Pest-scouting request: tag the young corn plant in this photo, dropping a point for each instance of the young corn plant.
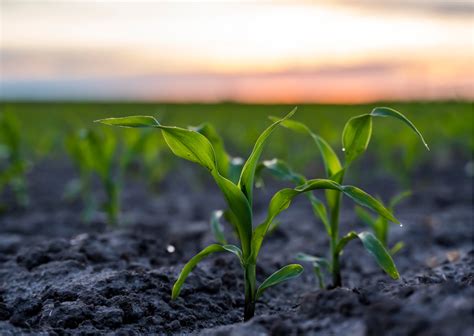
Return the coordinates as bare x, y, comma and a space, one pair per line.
13, 164
100, 154
355, 139
193, 146
78, 148
379, 225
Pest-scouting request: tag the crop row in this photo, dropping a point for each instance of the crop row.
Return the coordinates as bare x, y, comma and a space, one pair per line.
236, 180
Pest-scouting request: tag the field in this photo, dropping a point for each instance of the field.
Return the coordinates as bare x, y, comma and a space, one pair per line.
73, 261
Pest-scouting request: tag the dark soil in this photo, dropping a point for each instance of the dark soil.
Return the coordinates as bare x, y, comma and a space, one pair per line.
59, 276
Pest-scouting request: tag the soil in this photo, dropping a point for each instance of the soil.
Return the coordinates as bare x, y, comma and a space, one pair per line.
59, 276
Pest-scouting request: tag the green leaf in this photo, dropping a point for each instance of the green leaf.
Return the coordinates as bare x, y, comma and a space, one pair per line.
356, 136
381, 255
281, 201
398, 198
217, 228
240, 209
364, 199
396, 248
344, 241
130, 122
388, 112
283, 274
196, 260
375, 248
223, 159
365, 217
247, 176
320, 262
195, 147
319, 209
281, 170
235, 250
330, 159
190, 145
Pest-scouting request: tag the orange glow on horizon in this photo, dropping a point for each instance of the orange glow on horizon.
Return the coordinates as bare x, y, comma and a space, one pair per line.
252, 52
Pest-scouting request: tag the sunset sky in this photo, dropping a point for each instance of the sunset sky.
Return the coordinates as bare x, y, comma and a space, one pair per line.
265, 52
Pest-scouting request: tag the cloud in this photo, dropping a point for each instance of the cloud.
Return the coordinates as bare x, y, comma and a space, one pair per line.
457, 8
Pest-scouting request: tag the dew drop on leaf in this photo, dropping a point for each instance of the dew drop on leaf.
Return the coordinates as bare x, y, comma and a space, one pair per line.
170, 249
343, 149
401, 225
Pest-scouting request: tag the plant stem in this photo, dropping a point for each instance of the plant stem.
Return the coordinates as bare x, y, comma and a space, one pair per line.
336, 270
113, 201
250, 280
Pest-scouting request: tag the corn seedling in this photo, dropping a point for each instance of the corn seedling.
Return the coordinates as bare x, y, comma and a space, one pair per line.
100, 154
13, 164
379, 225
195, 147
78, 147
355, 139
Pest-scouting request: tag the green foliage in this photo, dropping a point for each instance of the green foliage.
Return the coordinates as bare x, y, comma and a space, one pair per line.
101, 155
355, 140
196, 147
13, 164
191, 145
379, 225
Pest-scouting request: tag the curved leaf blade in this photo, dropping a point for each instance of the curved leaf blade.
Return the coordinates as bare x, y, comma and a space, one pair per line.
193, 146
214, 248
281, 170
389, 112
130, 122
280, 202
241, 213
398, 198
223, 159
364, 199
381, 255
283, 274
247, 175
320, 262
331, 161
235, 250
190, 145
356, 136
365, 217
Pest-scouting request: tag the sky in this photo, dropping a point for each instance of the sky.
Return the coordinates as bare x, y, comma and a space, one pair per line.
338, 51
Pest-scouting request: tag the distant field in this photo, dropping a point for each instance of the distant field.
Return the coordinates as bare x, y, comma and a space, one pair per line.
447, 126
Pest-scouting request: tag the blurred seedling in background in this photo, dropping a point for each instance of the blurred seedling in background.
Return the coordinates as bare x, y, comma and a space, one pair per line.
100, 154
13, 163
355, 139
379, 225
193, 146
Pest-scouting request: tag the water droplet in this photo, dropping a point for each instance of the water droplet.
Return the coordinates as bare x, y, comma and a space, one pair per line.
237, 161
401, 225
343, 149
170, 248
